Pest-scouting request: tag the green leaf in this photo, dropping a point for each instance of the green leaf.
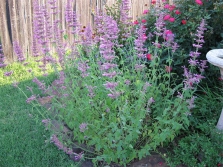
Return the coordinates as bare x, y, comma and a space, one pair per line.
65, 36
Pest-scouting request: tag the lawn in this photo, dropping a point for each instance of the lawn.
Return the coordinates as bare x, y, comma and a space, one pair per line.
24, 142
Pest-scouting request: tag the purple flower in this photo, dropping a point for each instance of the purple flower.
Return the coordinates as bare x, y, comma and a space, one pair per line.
110, 85
202, 65
40, 84
139, 67
60, 145
2, 64
193, 62
114, 95
42, 29
124, 18
127, 82
18, 51
46, 121
78, 156
87, 40
175, 46
91, 91
151, 100
110, 74
139, 42
7, 74
191, 79
83, 67
107, 110
83, 127
108, 58
57, 142
107, 66
146, 85
30, 99
194, 54
191, 103
159, 25
69, 12
197, 46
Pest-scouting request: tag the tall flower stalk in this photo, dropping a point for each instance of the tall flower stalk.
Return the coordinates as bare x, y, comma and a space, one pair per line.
2, 58
108, 40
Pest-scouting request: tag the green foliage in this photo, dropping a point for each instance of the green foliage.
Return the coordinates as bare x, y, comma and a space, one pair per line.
200, 145
21, 72
198, 150
207, 110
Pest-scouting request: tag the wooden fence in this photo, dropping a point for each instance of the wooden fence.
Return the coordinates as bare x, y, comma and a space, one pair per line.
16, 18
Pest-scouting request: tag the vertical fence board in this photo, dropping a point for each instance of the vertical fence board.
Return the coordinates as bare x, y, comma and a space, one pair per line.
4, 33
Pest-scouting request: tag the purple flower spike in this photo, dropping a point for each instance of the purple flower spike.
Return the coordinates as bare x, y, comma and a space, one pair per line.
109, 75
107, 66
2, 59
18, 51
7, 74
83, 67
139, 42
114, 95
30, 99
79, 156
111, 85
191, 103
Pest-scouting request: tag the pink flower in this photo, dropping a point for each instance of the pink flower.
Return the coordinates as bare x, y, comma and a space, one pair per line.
149, 57
144, 37
167, 6
199, 2
172, 19
168, 35
160, 163
184, 21
172, 7
157, 45
135, 22
168, 68
145, 11
144, 21
153, 2
166, 17
177, 12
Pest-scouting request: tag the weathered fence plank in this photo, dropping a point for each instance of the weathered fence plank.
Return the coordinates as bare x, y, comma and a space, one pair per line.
5, 30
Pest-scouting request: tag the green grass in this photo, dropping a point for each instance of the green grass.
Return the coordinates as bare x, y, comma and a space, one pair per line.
24, 142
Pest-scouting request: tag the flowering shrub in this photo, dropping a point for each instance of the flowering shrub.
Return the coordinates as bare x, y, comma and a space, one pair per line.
178, 20
120, 106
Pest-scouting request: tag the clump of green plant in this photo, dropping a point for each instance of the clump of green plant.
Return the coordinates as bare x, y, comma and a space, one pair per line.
200, 145
198, 150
